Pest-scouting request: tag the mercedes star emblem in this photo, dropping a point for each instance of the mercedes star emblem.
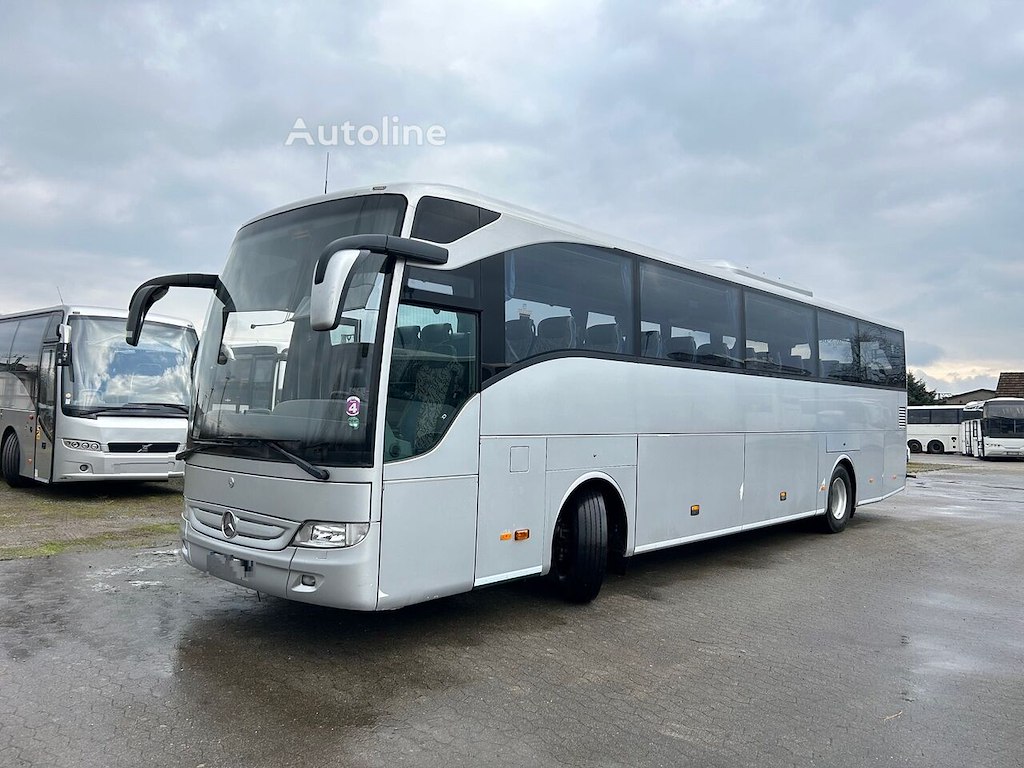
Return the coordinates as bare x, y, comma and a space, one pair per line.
228, 525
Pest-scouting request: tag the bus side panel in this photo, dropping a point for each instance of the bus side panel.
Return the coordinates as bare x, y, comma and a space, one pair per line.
427, 540
895, 461
511, 499
870, 467
780, 477
677, 472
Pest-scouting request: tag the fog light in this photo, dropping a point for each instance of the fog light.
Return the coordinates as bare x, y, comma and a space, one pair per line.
83, 468
307, 580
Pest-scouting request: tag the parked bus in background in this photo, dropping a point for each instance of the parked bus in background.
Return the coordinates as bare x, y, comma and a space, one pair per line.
999, 432
78, 403
475, 393
936, 428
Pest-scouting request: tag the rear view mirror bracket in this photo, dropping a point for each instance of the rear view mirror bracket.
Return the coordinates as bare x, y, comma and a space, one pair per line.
151, 291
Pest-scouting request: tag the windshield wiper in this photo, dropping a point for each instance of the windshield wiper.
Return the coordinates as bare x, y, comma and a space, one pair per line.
301, 463
201, 445
129, 408
150, 406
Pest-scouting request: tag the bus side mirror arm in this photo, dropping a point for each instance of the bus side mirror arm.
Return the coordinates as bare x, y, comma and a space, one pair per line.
151, 291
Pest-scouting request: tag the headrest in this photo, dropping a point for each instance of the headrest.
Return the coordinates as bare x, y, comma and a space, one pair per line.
519, 329
438, 333
684, 344
606, 335
407, 336
557, 328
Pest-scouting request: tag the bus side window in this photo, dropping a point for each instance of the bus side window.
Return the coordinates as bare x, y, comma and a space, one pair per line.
431, 382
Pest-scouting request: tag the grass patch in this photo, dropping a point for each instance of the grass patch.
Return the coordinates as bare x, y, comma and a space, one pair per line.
141, 535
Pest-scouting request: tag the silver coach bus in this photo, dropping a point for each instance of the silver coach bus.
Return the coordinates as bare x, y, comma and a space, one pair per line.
78, 403
468, 393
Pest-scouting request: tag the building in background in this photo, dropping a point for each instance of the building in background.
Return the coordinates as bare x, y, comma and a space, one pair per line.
1010, 385
968, 397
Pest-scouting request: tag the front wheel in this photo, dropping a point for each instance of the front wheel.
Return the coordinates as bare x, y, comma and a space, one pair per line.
839, 507
10, 462
579, 556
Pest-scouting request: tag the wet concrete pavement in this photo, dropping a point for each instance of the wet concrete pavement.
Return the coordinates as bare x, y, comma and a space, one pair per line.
899, 642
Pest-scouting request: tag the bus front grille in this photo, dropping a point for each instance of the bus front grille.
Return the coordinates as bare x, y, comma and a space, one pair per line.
249, 529
142, 447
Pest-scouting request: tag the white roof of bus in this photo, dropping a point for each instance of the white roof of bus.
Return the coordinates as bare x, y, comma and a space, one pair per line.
115, 312
520, 226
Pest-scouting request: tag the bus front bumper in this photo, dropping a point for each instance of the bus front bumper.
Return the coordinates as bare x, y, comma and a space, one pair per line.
338, 578
89, 465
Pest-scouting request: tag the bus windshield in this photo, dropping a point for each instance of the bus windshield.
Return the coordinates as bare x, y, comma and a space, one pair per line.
107, 375
314, 394
1004, 419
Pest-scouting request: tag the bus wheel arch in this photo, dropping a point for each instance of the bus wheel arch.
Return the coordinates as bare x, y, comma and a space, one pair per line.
589, 538
10, 460
915, 446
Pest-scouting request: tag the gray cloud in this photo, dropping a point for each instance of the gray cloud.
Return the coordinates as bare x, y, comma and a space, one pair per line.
870, 152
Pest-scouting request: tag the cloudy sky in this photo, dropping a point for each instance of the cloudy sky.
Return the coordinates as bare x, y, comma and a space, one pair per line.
872, 152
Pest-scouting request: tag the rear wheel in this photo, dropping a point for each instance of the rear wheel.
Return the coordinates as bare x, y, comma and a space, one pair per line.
839, 507
914, 446
936, 447
10, 461
579, 556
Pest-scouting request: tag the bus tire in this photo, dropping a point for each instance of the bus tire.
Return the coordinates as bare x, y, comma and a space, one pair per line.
914, 446
10, 461
579, 550
839, 506
936, 447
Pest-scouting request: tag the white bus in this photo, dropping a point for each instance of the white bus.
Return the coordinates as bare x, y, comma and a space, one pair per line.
475, 393
997, 431
78, 403
936, 428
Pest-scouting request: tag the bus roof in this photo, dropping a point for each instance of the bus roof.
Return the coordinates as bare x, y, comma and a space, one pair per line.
119, 313
520, 226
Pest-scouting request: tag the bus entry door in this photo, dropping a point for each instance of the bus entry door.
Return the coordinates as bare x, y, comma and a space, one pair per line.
46, 414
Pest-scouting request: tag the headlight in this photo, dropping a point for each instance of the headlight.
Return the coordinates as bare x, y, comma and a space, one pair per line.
82, 445
331, 534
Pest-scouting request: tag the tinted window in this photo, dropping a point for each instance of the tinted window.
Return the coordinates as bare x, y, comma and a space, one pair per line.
836, 348
561, 296
779, 335
23, 361
688, 318
444, 221
881, 356
441, 285
27, 343
7, 329
10, 387
434, 370
945, 416
916, 416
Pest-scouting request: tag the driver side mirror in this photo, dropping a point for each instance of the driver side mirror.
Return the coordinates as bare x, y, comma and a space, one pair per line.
346, 271
329, 280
